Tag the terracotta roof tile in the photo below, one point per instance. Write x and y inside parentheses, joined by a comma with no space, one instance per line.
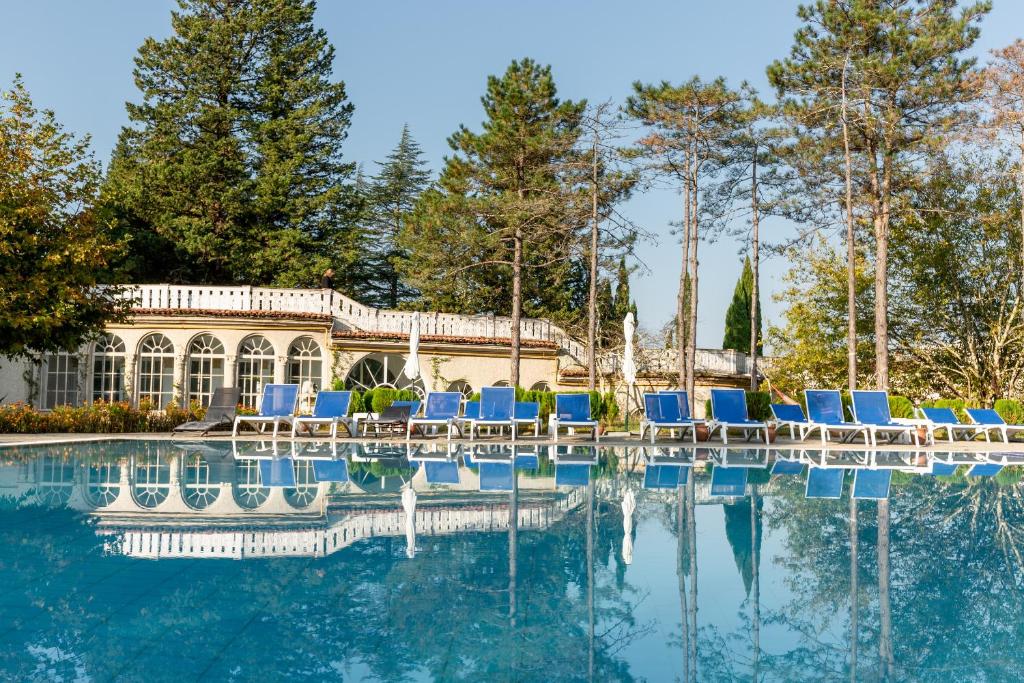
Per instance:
(442,339)
(216,313)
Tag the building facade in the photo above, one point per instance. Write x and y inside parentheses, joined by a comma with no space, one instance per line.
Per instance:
(180,343)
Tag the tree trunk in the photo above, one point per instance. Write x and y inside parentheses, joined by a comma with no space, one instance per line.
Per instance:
(755,260)
(691,341)
(684,616)
(854,604)
(851,254)
(513,550)
(885,652)
(682,344)
(517,304)
(1021,174)
(595,229)
(590,581)
(755,573)
(691,524)
(882,281)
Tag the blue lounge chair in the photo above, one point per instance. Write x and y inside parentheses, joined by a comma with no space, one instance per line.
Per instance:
(527,413)
(441,411)
(572,474)
(824,482)
(792,416)
(943,469)
(984,469)
(277,472)
(661,411)
(665,476)
(526,458)
(331,409)
(277,406)
(496,476)
(441,472)
(729,411)
(728,482)
(497,409)
(331,470)
(825,413)
(989,420)
(871,484)
(470,412)
(572,411)
(871,408)
(684,404)
(787,466)
(946,420)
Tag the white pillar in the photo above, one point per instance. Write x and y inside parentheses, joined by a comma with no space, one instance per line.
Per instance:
(230,371)
(180,389)
(279,369)
(130,370)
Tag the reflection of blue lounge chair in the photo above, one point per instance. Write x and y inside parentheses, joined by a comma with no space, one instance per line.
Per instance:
(787,467)
(441,472)
(792,416)
(497,409)
(989,420)
(331,470)
(824,482)
(943,469)
(984,469)
(871,484)
(871,408)
(276,472)
(729,411)
(572,411)
(661,411)
(728,482)
(495,476)
(825,413)
(527,413)
(572,474)
(665,476)
(527,460)
(330,409)
(277,406)
(944,419)
(441,411)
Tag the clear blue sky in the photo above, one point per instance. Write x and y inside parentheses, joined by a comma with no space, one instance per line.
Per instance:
(426,64)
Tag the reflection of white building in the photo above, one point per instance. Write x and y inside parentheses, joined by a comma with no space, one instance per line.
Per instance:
(182,342)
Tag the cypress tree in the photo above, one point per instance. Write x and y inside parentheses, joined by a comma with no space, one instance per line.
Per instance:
(391,197)
(231,170)
(737,317)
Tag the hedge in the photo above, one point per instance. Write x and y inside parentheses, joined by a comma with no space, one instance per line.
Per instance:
(1011,410)
(95,418)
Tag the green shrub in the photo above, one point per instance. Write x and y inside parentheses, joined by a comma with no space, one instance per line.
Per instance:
(95,418)
(1010,410)
(901,407)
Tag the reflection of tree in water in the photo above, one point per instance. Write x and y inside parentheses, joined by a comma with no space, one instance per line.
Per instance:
(444,614)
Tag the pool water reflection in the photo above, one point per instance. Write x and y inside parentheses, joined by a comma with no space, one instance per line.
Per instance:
(128,560)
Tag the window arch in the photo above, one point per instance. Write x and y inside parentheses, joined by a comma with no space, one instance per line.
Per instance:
(463,387)
(540,386)
(156,370)
(381,370)
(248,490)
(305,363)
(108,369)
(152,480)
(305,490)
(255,368)
(55,478)
(60,371)
(501,383)
(103,483)
(205,368)
(199,492)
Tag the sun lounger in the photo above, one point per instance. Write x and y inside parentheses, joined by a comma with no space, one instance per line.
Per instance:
(572,411)
(662,411)
(392,420)
(526,414)
(989,420)
(441,410)
(871,408)
(277,407)
(330,410)
(497,409)
(945,419)
(825,414)
(220,414)
(729,410)
(792,416)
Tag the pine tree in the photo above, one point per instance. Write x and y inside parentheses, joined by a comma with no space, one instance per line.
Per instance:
(231,170)
(737,317)
(391,197)
(53,246)
(623,300)
(496,232)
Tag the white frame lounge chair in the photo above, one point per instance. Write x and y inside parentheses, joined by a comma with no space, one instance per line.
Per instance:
(277,407)
(945,418)
(330,409)
(825,413)
(730,403)
(440,410)
(569,413)
(988,419)
(871,408)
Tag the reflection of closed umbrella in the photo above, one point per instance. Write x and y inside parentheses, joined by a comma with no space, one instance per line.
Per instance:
(628,506)
(409,503)
(628,361)
(412,363)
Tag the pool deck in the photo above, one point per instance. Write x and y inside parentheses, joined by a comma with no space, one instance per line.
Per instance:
(613,440)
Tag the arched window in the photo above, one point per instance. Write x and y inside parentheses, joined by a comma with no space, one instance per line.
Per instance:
(255,368)
(305,363)
(463,387)
(108,369)
(55,478)
(305,485)
(60,371)
(199,492)
(152,481)
(156,370)
(381,370)
(103,483)
(501,383)
(540,386)
(205,368)
(248,490)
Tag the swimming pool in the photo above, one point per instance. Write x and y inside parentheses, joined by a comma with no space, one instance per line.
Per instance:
(130,560)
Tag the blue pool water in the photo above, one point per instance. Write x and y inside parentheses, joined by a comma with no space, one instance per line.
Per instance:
(148,560)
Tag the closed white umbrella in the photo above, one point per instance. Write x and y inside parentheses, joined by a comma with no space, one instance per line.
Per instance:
(628,507)
(412,363)
(409,503)
(628,361)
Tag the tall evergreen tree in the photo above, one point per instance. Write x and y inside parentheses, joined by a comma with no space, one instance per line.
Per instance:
(497,232)
(231,169)
(623,299)
(391,197)
(53,246)
(737,317)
